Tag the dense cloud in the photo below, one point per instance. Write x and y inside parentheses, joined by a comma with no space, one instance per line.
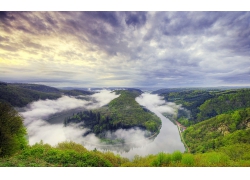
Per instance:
(163,49)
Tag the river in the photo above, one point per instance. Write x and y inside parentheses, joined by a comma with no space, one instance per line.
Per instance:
(168,141)
(44,121)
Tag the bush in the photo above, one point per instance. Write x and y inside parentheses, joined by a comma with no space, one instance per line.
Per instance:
(162,159)
(214,159)
(187,160)
(12,131)
(176,156)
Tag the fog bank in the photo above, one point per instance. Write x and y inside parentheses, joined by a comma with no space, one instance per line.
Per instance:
(36,113)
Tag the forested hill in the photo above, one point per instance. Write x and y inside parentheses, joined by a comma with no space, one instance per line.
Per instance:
(20,95)
(231,129)
(206,103)
(122,112)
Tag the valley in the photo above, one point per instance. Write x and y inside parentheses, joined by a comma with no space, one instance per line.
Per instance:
(134,123)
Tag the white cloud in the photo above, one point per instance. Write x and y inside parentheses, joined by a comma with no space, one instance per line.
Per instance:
(136,142)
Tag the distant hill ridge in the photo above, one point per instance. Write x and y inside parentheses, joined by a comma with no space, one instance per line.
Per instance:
(20,94)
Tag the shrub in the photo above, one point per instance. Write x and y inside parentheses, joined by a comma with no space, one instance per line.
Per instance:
(187,160)
(176,156)
(162,159)
(12,131)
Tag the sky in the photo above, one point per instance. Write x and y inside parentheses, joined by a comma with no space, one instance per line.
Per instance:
(126,48)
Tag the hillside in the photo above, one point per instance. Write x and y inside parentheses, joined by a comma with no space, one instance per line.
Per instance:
(122,112)
(219,131)
(220,141)
(205,103)
(20,94)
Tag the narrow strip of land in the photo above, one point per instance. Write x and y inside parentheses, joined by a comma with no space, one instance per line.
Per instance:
(181,128)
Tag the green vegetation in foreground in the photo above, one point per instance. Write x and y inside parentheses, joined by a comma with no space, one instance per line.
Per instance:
(122,112)
(70,154)
(12,131)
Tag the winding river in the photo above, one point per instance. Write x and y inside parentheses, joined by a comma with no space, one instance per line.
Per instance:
(51,129)
(168,141)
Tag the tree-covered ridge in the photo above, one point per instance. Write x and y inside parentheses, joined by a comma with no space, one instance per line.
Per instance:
(206,103)
(233,151)
(220,131)
(122,112)
(36,87)
(20,94)
(19,97)
(224,102)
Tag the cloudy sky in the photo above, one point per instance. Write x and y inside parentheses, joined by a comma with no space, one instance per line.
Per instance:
(125,49)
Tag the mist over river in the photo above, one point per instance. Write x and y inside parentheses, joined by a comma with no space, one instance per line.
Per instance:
(168,140)
(44,121)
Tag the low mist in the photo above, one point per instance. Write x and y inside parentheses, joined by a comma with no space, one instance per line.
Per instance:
(36,115)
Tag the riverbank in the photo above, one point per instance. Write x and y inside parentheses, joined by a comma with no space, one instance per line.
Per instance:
(182,128)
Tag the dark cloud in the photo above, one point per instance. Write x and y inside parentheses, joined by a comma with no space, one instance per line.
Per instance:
(136,19)
(146,48)
(184,23)
(6,16)
(106,17)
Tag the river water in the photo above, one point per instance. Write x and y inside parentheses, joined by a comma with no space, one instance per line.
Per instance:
(44,121)
(168,141)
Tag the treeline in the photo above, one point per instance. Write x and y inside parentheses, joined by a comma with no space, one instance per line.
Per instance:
(15,151)
(122,112)
(223,103)
(94,121)
(220,131)
(206,103)
(19,95)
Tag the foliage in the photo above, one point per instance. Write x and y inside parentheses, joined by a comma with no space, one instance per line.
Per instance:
(12,131)
(122,112)
(203,104)
(176,156)
(19,96)
(225,102)
(219,131)
(70,154)
(67,154)
(190,99)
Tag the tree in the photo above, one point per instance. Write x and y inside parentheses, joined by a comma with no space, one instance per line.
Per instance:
(12,131)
